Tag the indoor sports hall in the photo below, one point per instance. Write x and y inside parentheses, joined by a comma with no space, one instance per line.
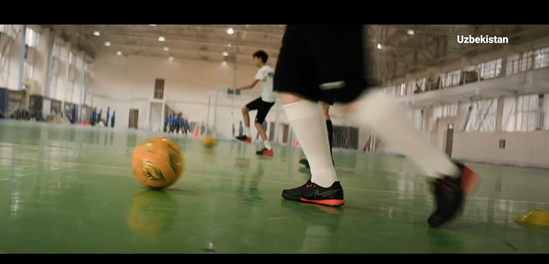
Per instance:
(76,101)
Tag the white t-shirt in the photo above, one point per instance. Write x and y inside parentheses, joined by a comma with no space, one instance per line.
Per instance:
(265,75)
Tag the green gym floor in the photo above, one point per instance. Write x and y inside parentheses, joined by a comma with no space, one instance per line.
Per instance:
(69,189)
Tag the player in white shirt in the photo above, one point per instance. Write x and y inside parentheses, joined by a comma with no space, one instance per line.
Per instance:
(262,104)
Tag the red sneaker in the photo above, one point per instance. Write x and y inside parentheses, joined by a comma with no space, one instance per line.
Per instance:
(265,152)
(244,139)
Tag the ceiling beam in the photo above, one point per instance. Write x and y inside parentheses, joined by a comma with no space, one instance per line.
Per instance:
(130,48)
(184,44)
(276,30)
(145,34)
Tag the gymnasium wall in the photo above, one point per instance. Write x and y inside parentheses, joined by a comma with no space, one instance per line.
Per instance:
(521,148)
(127,82)
(38,64)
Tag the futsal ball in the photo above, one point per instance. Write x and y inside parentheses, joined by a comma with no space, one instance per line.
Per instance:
(157,163)
(208,142)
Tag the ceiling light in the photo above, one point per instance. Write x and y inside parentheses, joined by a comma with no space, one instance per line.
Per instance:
(229,45)
(119,53)
(410,32)
(107,44)
(152,25)
(225,53)
(96,33)
(166,48)
(161,39)
(379,46)
(230,31)
(170,58)
(224,63)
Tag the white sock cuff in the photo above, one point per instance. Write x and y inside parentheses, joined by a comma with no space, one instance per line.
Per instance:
(301,110)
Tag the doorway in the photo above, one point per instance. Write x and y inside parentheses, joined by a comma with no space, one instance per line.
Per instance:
(449,140)
(134,117)
(155,118)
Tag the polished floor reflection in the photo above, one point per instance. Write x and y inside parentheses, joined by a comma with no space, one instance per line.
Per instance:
(70,190)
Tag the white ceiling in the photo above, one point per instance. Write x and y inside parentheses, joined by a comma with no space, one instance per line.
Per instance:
(401,53)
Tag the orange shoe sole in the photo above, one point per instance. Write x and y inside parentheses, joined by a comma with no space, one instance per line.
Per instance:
(330,202)
(469,181)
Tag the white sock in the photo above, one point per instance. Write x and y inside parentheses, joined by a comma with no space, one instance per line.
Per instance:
(308,123)
(267,145)
(248,132)
(387,117)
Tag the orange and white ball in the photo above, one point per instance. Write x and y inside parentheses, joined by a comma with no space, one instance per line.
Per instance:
(157,163)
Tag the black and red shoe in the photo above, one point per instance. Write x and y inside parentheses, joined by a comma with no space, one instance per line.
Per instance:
(265,152)
(244,139)
(312,193)
(450,194)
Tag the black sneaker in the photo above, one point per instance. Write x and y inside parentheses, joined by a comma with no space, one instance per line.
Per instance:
(312,193)
(450,193)
(244,138)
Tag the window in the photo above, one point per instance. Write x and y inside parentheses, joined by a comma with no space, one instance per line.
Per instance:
(450,78)
(527,113)
(401,90)
(159,89)
(483,116)
(542,58)
(56,50)
(31,38)
(421,84)
(418,118)
(3,71)
(8,30)
(72,58)
(53,86)
(525,61)
(489,69)
(449,110)
(28,70)
(410,87)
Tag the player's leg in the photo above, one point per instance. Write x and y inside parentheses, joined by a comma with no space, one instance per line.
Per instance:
(253,105)
(386,116)
(260,117)
(325,103)
(295,83)
(452,181)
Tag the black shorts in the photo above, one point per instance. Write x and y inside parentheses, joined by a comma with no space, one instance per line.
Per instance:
(316,60)
(262,108)
(328,98)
